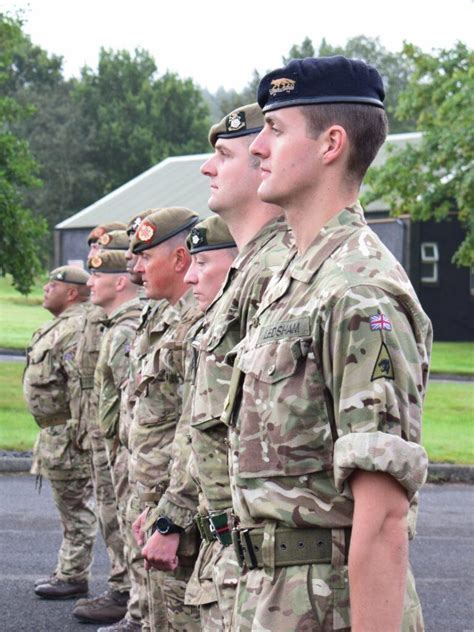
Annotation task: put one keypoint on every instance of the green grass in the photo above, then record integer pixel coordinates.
(447, 431)
(18, 429)
(453, 357)
(448, 423)
(20, 316)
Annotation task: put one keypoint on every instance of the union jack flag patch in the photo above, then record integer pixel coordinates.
(379, 322)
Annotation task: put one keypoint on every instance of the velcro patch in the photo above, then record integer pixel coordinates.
(383, 365)
(287, 329)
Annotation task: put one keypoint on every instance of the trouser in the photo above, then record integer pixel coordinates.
(181, 618)
(106, 508)
(74, 500)
(315, 597)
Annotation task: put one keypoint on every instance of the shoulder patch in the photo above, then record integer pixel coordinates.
(383, 365)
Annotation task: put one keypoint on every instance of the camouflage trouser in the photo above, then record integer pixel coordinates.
(106, 507)
(181, 618)
(213, 585)
(138, 574)
(133, 558)
(311, 597)
(75, 502)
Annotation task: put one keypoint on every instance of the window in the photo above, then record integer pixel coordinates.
(429, 263)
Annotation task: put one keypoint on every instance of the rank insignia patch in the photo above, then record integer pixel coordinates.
(380, 322)
(145, 231)
(235, 122)
(282, 85)
(383, 365)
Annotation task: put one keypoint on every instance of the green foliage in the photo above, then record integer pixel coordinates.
(436, 177)
(300, 51)
(21, 233)
(132, 119)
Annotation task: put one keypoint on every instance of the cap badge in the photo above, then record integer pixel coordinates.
(145, 232)
(135, 224)
(59, 276)
(198, 237)
(96, 262)
(282, 85)
(104, 240)
(235, 121)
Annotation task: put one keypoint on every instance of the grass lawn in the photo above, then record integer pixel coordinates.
(20, 316)
(448, 432)
(453, 357)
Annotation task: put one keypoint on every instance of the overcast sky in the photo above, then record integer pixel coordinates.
(220, 43)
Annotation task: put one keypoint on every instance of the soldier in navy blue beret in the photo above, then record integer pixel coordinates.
(325, 403)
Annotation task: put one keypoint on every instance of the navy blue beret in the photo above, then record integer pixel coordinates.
(321, 80)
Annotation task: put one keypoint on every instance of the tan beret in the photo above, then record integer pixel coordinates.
(161, 226)
(101, 229)
(242, 121)
(108, 261)
(137, 219)
(210, 234)
(69, 274)
(115, 240)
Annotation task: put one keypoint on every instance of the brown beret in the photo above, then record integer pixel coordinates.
(101, 229)
(240, 122)
(137, 219)
(108, 261)
(115, 240)
(161, 226)
(69, 274)
(210, 234)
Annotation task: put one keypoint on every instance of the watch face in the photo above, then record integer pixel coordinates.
(163, 525)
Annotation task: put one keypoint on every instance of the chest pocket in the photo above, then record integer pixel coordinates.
(39, 370)
(213, 374)
(284, 429)
(156, 392)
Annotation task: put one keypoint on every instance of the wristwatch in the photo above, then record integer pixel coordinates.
(164, 526)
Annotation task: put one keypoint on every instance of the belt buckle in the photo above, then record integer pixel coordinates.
(219, 525)
(247, 547)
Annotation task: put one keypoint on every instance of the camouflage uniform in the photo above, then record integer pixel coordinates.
(111, 375)
(216, 572)
(91, 435)
(52, 390)
(334, 372)
(157, 411)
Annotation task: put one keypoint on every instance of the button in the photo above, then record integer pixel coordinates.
(255, 321)
(271, 369)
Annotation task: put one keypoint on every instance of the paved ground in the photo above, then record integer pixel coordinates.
(442, 558)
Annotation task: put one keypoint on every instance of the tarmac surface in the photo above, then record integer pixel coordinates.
(442, 558)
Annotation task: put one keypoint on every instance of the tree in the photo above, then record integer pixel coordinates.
(305, 49)
(436, 177)
(132, 119)
(21, 232)
(395, 71)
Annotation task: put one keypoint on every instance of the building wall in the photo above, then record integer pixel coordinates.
(71, 246)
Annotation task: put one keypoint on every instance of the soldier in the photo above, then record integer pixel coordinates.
(52, 391)
(112, 289)
(326, 399)
(163, 260)
(263, 240)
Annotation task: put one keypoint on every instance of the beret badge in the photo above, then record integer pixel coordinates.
(136, 223)
(145, 232)
(59, 276)
(236, 121)
(104, 240)
(198, 237)
(282, 85)
(96, 262)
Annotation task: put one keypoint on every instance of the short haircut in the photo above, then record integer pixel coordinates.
(366, 127)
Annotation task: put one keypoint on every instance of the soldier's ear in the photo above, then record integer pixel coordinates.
(182, 259)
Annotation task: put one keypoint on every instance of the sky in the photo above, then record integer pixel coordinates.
(220, 44)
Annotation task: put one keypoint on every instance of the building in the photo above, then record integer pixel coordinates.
(425, 249)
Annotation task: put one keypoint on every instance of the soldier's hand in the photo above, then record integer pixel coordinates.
(160, 551)
(137, 528)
